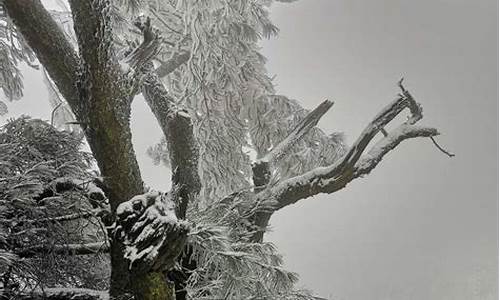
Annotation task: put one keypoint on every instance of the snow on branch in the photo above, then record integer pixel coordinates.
(354, 164)
(173, 63)
(261, 169)
(147, 50)
(177, 127)
(297, 133)
(148, 227)
(405, 131)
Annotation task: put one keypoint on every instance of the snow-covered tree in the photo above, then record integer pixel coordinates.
(237, 151)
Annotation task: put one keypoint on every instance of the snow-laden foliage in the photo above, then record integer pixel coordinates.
(225, 87)
(44, 175)
(149, 228)
(228, 265)
(13, 50)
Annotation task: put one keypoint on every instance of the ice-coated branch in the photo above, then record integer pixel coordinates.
(92, 24)
(65, 249)
(177, 127)
(370, 160)
(148, 49)
(173, 63)
(261, 169)
(354, 164)
(299, 131)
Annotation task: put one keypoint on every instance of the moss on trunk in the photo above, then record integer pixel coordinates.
(152, 286)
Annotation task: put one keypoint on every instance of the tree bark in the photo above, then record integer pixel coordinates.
(354, 164)
(97, 93)
(183, 150)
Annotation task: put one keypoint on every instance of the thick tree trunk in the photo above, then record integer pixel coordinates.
(101, 106)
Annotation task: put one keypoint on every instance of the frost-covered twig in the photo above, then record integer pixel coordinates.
(297, 133)
(53, 113)
(334, 177)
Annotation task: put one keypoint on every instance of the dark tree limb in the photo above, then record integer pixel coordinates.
(107, 94)
(177, 127)
(104, 92)
(332, 178)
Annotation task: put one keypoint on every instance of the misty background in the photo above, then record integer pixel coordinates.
(421, 225)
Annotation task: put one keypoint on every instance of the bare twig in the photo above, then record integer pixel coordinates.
(441, 148)
(53, 114)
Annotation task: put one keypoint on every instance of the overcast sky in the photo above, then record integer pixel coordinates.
(422, 225)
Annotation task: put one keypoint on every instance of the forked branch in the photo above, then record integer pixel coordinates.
(261, 168)
(353, 164)
(177, 127)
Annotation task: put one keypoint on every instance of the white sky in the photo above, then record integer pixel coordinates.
(421, 226)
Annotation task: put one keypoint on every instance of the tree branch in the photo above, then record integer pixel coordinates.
(182, 146)
(49, 43)
(173, 63)
(332, 178)
(261, 168)
(105, 94)
(68, 249)
(299, 131)
(441, 148)
(150, 46)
